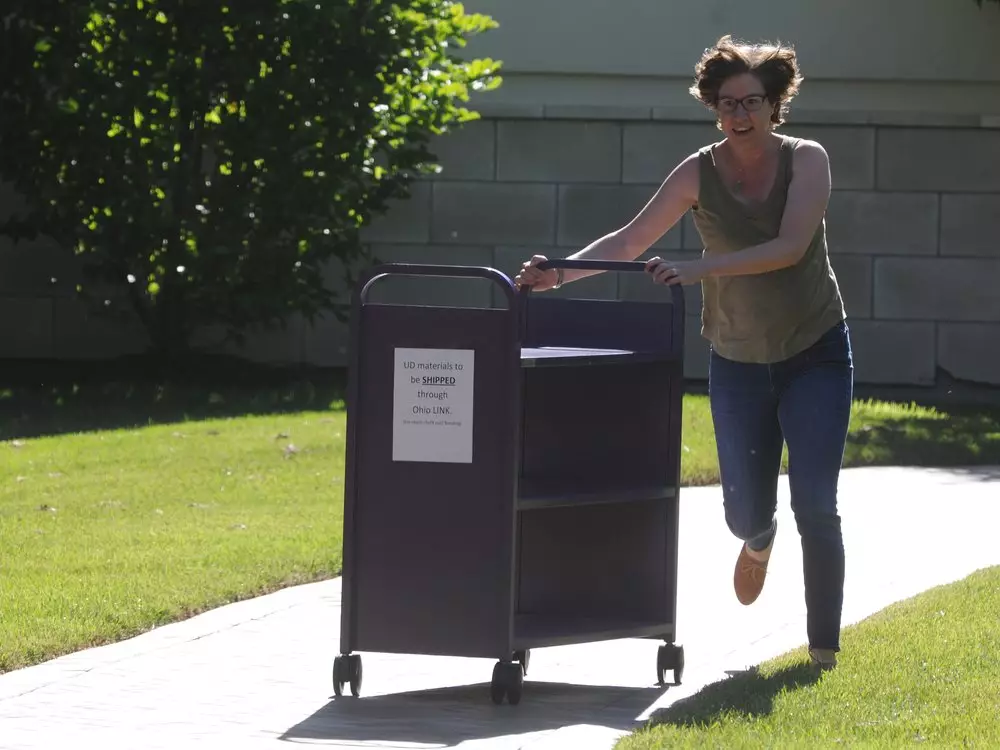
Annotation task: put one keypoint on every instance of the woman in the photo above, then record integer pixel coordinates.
(781, 367)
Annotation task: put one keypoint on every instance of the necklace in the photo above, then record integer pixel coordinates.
(738, 185)
(740, 180)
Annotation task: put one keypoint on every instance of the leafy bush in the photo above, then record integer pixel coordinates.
(206, 159)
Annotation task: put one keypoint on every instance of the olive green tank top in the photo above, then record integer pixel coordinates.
(769, 317)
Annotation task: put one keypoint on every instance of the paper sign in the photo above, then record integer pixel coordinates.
(433, 405)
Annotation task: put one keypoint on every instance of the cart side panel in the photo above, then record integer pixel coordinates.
(607, 430)
(598, 562)
(600, 428)
(612, 324)
(432, 564)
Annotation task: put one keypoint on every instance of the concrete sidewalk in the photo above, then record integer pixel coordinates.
(257, 673)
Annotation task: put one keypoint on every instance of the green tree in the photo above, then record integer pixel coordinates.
(209, 158)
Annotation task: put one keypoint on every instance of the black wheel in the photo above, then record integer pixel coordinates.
(339, 671)
(347, 671)
(498, 686)
(670, 657)
(515, 683)
(355, 674)
(523, 658)
(508, 680)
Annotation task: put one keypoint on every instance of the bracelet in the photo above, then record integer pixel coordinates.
(559, 278)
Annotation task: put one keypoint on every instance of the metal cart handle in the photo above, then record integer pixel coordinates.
(425, 269)
(585, 264)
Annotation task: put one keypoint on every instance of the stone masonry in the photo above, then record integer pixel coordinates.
(913, 226)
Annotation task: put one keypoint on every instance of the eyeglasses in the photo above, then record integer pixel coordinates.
(751, 103)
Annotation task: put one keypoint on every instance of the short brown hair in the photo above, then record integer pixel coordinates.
(774, 64)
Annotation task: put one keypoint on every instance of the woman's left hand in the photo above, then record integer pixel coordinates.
(676, 271)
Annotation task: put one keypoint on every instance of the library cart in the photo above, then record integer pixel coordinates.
(512, 475)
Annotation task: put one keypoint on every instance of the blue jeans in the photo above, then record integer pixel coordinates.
(804, 401)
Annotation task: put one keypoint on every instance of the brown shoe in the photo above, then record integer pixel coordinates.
(748, 578)
(823, 659)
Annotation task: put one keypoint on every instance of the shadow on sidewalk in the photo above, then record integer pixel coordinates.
(449, 716)
(979, 473)
(747, 693)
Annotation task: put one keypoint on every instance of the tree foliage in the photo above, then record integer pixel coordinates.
(208, 158)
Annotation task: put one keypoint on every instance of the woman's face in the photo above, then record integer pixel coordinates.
(743, 109)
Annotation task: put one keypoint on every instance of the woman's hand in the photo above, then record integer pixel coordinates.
(530, 276)
(677, 271)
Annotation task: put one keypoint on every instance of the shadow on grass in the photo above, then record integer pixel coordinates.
(960, 437)
(746, 694)
(52, 398)
(44, 398)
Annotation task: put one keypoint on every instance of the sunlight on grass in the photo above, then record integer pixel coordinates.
(197, 501)
(925, 671)
(881, 434)
(108, 534)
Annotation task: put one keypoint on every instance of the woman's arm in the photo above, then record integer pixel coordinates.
(808, 197)
(668, 205)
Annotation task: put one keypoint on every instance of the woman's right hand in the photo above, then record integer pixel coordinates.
(538, 280)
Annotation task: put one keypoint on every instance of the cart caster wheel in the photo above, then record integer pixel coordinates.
(347, 671)
(523, 658)
(355, 674)
(339, 669)
(508, 680)
(670, 657)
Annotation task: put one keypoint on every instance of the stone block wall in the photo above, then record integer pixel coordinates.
(913, 224)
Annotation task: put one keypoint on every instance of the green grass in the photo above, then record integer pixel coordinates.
(881, 434)
(107, 534)
(128, 504)
(924, 672)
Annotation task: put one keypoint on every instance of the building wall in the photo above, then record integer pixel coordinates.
(914, 243)
(587, 125)
(893, 57)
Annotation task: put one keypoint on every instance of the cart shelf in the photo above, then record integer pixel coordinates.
(561, 356)
(535, 631)
(540, 499)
